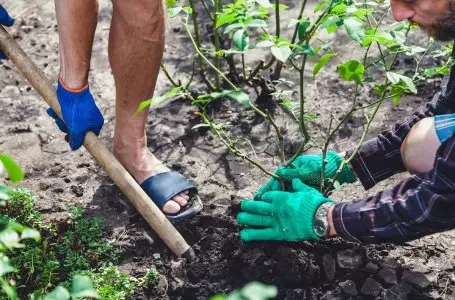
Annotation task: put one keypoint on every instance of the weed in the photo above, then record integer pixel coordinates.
(150, 278)
(111, 284)
(83, 246)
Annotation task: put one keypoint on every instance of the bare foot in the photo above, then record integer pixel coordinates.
(142, 164)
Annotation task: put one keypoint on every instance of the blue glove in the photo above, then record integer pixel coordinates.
(80, 114)
(5, 20)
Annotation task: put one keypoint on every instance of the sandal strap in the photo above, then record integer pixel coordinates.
(163, 187)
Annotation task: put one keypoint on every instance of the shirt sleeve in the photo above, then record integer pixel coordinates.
(380, 157)
(420, 205)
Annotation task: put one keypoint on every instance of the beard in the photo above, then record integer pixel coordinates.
(443, 29)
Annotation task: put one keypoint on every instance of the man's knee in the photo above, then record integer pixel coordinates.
(146, 16)
(418, 150)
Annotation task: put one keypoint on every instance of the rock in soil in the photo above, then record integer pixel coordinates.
(371, 268)
(371, 288)
(329, 266)
(417, 280)
(399, 291)
(388, 276)
(349, 288)
(350, 259)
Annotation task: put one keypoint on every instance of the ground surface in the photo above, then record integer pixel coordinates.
(61, 178)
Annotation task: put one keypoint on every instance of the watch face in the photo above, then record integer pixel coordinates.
(320, 227)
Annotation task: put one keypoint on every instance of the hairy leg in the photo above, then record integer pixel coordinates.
(136, 46)
(76, 40)
(418, 150)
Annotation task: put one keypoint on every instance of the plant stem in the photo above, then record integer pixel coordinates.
(234, 150)
(198, 42)
(243, 66)
(209, 13)
(217, 41)
(202, 57)
(302, 9)
(279, 137)
(277, 18)
(168, 76)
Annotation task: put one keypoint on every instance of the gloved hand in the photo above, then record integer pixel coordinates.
(80, 114)
(308, 169)
(282, 216)
(5, 20)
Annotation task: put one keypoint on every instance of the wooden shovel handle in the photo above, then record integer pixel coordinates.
(141, 201)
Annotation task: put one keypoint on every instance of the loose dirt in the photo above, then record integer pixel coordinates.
(60, 179)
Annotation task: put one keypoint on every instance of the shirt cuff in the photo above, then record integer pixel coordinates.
(348, 224)
(373, 164)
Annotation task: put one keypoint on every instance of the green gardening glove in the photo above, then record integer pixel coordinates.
(282, 216)
(308, 169)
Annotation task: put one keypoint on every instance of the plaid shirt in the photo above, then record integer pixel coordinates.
(420, 205)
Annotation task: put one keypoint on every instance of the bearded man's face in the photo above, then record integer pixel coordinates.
(435, 17)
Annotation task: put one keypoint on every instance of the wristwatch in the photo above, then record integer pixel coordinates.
(320, 221)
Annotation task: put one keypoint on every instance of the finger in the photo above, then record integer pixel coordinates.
(248, 219)
(61, 125)
(274, 195)
(298, 186)
(271, 185)
(267, 234)
(289, 174)
(76, 141)
(257, 207)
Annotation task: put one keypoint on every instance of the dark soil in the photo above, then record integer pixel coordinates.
(332, 269)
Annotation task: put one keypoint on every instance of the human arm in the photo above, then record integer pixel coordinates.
(380, 157)
(420, 205)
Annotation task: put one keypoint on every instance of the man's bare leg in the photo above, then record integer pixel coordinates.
(136, 45)
(77, 22)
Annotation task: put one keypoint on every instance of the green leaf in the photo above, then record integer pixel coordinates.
(332, 20)
(264, 3)
(256, 23)
(59, 293)
(240, 97)
(10, 239)
(224, 19)
(240, 40)
(233, 26)
(303, 27)
(82, 286)
(395, 78)
(264, 44)
(258, 291)
(355, 29)
(307, 49)
(321, 63)
(15, 173)
(4, 192)
(5, 267)
(30, 234)
(352, 70)
(170, 3)
(281, 53)
(409, 84)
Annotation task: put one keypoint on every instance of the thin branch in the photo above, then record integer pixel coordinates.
(168, 76)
